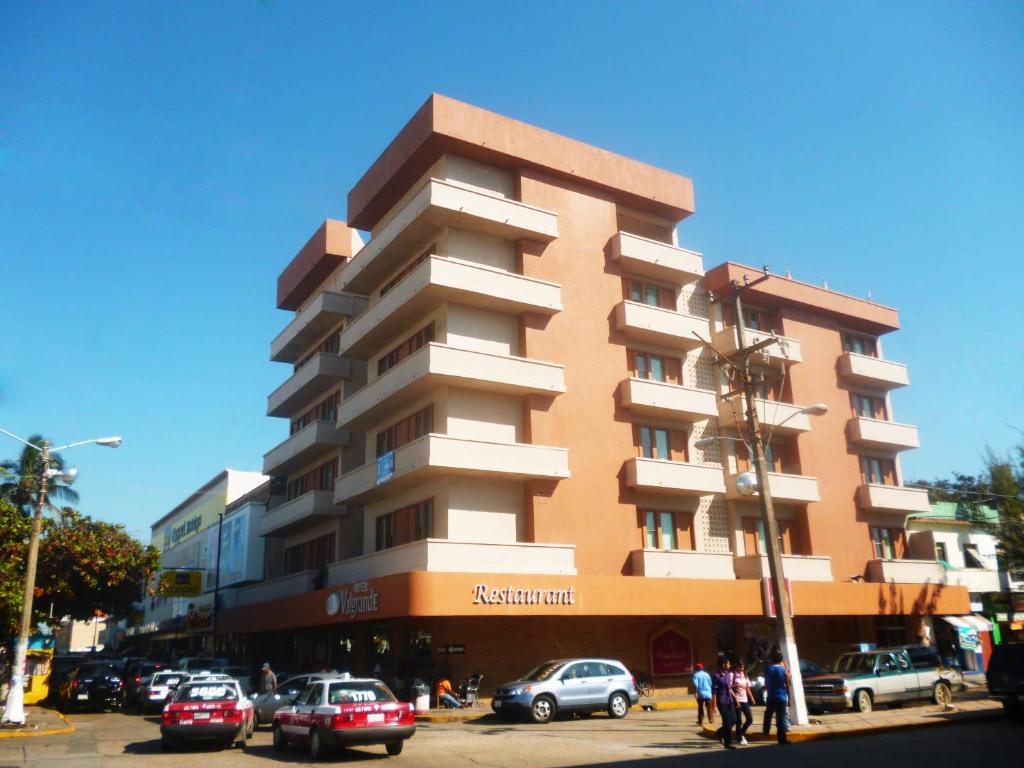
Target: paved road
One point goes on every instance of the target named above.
(642, 740)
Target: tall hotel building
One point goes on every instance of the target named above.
(493, 408)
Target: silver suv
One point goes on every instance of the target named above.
(568, 685)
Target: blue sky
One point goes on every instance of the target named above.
(161, 163)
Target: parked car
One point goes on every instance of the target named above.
(864, 680)
(268, 703)
(562, 685)
(242, 674)
(91, 685)
(1005, 677)
(926, 657)
(344, 711)
(160, 689)
(207, 710)
(60, 668)
(200, 663)
(756, 674)
(137, 675)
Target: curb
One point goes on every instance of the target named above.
(665, 706)
(972, 716)
(69, 727)
(461, 715)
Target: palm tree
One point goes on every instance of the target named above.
(19, 479)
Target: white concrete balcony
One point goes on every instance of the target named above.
(436, 281)
(274, 589)
(906, 572)
(435, 365)
(661, 261)
(304, 510)
(794, 567)
(312, 322)
(792, 489)
(976, 580)
(778, 417)
(658, 398)
(444, 556)
(674, 477)
(436, 455)
(785, 350)
(892, 498)
(681, 564)
(660, 326)
(438, 204)
(313, 441)
(311, 381)
(872, 372)
(879, 435)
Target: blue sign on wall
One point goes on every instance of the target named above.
(385, 467)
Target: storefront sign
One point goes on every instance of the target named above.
(181, 583)
(385, 467)
(671, 653)
(174, 535)
(360, 599)
(483, 594)
(969, 639)
(768, 596)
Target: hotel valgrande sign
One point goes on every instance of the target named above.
(360, 599)
(484, 594)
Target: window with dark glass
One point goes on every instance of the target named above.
(328, 346)
(877, 471)
(412, 523)
(325, 410)
(859, 344)
(408, 429)
(319, 479)
(310, 555)
(651, 294)
(868, 406)
(646, 365)
(418, 340)
(883, 542)
(754, 538)
(667, 530)
(408, 269)
(660, 443)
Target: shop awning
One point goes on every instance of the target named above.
(972, 621)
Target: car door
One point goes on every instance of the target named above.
(290, 715)
(910, 680)
(281, 696)
(306, 707)
(575, 692)
(604, 681)
(890, 682)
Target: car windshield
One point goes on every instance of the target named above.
(544, 671)
(353, 693)
(206, 692)
(166, 678)
(95, 670)
(854, 662)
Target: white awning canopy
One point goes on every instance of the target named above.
(971, 621)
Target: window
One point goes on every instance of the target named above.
(940, 552)
(408, 269)
(648, 293)
(654, 367)
(861, 345)
(412, 523)
(320, 479)
(753, 536)
(972, 557)
(878, 471)
(418, 340)
(660, 443)
(406, 430)
(325, 410)
(310, 555)
(328, 346)
(884, 541)
(754, 320)
(775, 457)
(668, 530)
(868, 406)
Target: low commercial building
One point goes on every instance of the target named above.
(494, 405)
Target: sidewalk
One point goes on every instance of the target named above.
(39, 721)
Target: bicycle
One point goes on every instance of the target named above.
(644, 685)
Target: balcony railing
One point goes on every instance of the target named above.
(312, 322)
(778, 417)
(661, 261)
(872, 372)
(906, 572)
(436, 281)
(681, 564)
(897, 499)
(313, 379)
(659, 398)
(299, 512)
(313, 441)
(437, 364)
(785, 350)
(794, 489)
(877, 434)
(794, 567)
(674, 477)
(660, 326)
(439, 203)
(438, 455)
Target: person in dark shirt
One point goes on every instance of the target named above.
(725, 700)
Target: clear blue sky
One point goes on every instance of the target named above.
(161, 163)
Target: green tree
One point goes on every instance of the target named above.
(15, 529)
(20, 480)
(1006, 479)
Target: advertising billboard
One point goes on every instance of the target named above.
(175, 583)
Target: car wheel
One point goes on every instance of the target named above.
(942, 695)
(394, 747)
(862, 701)
(618, 706)
(316, 746)
(166, 743)
(280, 742)
(542, 709)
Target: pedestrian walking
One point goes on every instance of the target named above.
(268, 680)
(702, 690)
(776, 697)
(741, 689)
(725, 699)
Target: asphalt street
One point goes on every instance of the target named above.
(642, 740)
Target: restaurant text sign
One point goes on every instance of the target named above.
(484, 594)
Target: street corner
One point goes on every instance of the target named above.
(38, 722)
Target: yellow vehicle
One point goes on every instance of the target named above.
(38, 662)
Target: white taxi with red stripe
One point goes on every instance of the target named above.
(205, 709)
(344, 711)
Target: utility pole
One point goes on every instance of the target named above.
(15, 710)
(783, 622)
(216, 580)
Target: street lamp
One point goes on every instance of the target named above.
(14, 711)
